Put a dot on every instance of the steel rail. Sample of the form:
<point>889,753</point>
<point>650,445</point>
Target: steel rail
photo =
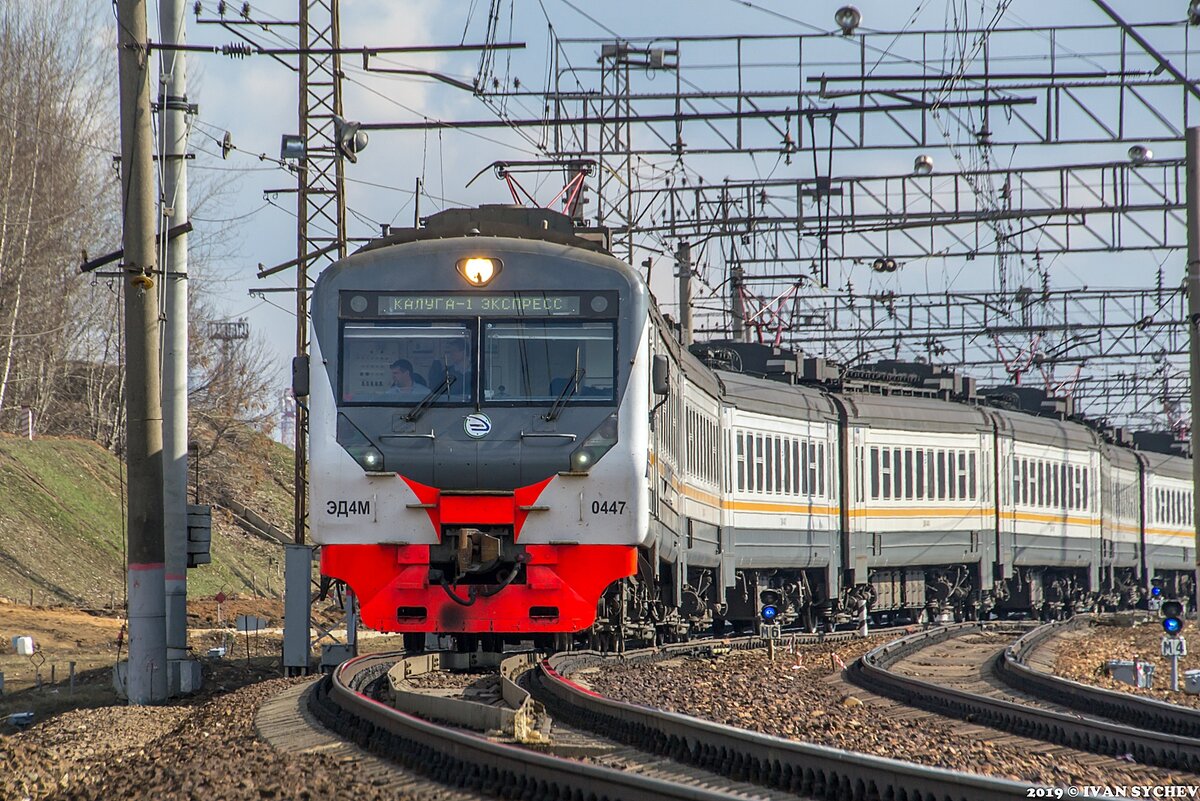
<point>872,672</point>
<point>461,759</point>
<point>1133,710</point>
<point>803,768</point>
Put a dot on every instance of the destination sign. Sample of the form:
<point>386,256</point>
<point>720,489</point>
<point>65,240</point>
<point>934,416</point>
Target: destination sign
<point>480,305</point>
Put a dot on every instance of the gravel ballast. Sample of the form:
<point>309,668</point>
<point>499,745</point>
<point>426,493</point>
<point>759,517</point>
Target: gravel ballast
<point>204,750</point>
<point>801,697</point>
<point>1085,658</point>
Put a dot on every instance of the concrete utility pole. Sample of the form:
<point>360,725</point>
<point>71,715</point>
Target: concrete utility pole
<point>146,677</point>
<point>737,304</point>
<point>174,103</point>
<point>1192,139</point>
<point>683,270</point>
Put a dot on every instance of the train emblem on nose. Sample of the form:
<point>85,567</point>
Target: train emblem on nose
<point>477,425</point>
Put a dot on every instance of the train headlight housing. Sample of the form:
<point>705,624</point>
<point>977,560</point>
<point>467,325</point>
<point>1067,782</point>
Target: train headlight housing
<point>358,445</point>
<point>479,271</point>
<point>598,443</point>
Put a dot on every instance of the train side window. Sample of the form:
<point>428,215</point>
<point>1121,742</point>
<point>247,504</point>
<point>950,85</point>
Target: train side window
<point>941,474</point>
<point>816,477</point>
<point>897,473</point>
<point>772,464</point>
<point>777,457</point>
<point>930,474</point>
<point>1087,501</point>
<point>739,437</point>
<point>971,485</point>
<point>919,464</point>
<point>760,465</point>
<point>962,475</point>
<point>874,473</point>
<point>782,479</point>
<point>885,473</point>
<point>1055,484</point>
<point>785,473</point>
<point>908,474</point>
<point>796,472</point>
<point>1041,483</point>
<point>822,469</point>
<point>951,476</point>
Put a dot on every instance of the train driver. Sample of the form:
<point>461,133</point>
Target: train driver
<point>406,385</point>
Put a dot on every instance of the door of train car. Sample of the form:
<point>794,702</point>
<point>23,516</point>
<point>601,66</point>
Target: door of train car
<point>1006,511</point>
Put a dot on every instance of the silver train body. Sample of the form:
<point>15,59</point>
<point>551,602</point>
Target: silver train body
<point>653,495</point>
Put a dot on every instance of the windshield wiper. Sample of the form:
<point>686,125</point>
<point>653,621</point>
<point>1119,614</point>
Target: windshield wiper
<point>570,389</point>
<point>428,400</point>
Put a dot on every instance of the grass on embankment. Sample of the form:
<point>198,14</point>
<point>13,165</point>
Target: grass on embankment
<point>62,527</point>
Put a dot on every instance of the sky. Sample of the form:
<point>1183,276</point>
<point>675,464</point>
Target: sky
<point>255,100</point>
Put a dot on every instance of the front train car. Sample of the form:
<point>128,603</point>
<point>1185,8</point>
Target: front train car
<point>478,424</point>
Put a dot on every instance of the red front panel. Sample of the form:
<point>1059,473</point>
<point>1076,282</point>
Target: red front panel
<point>566,580</point>
<point>562,584</point>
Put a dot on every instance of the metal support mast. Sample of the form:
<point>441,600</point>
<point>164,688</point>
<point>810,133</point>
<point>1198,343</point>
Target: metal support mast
<point>146,676</point>
<point>173,103</point>
<point>321,208</point>
<point>1192,140</point>
<point>614,201</point>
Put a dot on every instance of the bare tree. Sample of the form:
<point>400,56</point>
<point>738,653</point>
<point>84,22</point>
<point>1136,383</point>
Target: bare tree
<point>57,190</point>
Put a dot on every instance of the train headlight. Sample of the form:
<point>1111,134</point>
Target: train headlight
<point>370,459</point>
<point>598,443</point>
<point>479,271</point>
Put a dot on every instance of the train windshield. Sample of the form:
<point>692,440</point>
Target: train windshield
<point>399,365</point>
<point>539,361</point>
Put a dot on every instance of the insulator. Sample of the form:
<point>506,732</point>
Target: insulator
<point>237,50</point>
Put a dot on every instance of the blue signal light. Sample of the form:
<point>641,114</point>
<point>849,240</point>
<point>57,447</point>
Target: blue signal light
<point>1156,591</point>
<point>1172,625</point>
<point>769,612</point>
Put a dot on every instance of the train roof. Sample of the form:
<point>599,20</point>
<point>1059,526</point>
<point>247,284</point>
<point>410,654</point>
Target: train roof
<point>776,398</point>
<point>907,413</point>
<point>1025,427</point>
<point>498,220</point>
<point>1167,465</point>
<point>1121,456</point>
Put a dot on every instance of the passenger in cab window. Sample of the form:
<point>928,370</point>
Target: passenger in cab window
<point>453,363</point>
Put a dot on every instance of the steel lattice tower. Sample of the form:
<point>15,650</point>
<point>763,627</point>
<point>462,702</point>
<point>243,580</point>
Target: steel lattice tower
<point>321,204</point>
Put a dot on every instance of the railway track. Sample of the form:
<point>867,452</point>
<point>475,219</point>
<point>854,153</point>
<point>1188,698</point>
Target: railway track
<point>623,751</point>
<point>1016,668</point>
<point>986,684</point>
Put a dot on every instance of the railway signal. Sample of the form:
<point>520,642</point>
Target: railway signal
<point>1173,645</point>
<point>1172,613</point>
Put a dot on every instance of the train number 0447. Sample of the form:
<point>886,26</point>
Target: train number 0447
<point>608,507</point>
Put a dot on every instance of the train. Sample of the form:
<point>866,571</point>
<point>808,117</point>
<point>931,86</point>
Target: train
<point>508,439</point>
